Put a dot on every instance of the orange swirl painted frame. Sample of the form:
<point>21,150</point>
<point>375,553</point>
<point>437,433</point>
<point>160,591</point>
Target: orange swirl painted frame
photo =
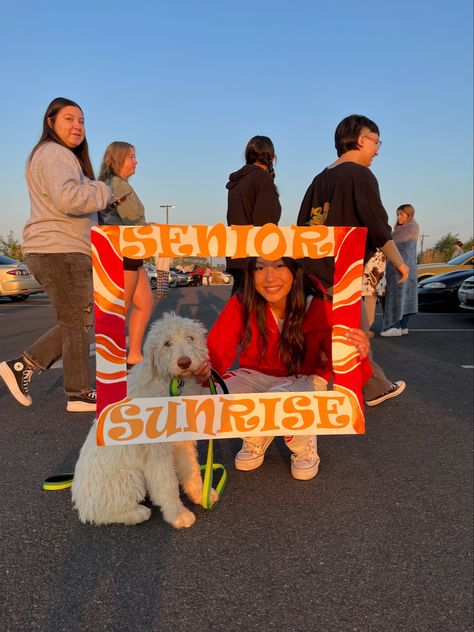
<point>111,243</point>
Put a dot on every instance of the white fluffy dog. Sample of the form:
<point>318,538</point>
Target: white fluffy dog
<point>111,482</point>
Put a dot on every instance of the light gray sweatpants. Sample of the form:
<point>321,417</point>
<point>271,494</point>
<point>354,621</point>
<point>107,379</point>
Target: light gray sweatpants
<point>250,381</point>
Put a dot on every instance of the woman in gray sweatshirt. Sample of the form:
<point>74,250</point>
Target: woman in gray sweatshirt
<point>65,199</point>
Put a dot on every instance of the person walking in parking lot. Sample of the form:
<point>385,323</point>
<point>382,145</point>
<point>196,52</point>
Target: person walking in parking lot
<point>458,248</point>
<point>118,165</point>
<point>207,276</point>
<point>65,199</point>
<point>346,193</point>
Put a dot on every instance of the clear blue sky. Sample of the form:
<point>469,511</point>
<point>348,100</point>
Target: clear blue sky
<point>188,83</point>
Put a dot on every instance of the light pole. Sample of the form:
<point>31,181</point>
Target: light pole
<point>167,206</point>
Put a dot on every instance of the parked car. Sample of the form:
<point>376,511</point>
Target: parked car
<point>152,276</point>
<point>441,291</point>
<point>177,278</point>
<point>462,262</point>
<point>16,281</point>
<point>466,294</point>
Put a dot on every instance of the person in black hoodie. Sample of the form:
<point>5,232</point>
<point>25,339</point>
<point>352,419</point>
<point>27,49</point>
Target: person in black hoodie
<point>252,198</point>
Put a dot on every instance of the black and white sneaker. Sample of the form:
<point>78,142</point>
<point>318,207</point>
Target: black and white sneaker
<point>396,388</point>
<point>17,376</point>
<point>84,403</point>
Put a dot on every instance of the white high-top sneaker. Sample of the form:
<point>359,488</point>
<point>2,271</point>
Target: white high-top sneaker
<point>305,458</point>
<point>252,453</point>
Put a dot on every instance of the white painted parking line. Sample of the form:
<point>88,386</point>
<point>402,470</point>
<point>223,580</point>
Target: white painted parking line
<point>467,366</point>
<point>441,329</point>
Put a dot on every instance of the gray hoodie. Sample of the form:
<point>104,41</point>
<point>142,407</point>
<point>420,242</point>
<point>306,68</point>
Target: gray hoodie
<point>64,203</point>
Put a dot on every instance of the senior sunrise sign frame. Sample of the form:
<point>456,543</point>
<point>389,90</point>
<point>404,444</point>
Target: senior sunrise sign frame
<point>125,420</point>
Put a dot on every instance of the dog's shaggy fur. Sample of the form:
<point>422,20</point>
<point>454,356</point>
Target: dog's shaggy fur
<point>111,482</point>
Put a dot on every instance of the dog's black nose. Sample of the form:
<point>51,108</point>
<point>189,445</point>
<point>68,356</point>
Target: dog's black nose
<point>184,362</point>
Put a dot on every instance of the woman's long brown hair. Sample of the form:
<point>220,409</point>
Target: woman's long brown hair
<point>49,135</point>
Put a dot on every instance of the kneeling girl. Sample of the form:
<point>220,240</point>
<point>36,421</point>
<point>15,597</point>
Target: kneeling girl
<point>280,329</point>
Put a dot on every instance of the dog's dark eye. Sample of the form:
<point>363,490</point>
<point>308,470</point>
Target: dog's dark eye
<point>189,339</point>
<point>167,343</point>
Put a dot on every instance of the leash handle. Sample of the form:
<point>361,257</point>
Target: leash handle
<point>59,481</point>
<point>209,470</point>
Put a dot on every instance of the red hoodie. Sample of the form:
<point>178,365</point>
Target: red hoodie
<point>224,339</point>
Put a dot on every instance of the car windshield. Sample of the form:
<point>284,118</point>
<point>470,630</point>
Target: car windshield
<point>6,261</point>
<point>464,258</point>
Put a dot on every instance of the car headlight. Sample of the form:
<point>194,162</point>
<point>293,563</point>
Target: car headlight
<point>436,285</point>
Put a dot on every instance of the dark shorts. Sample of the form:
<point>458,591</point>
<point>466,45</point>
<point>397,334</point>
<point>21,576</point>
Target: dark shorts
<point>132,264</point>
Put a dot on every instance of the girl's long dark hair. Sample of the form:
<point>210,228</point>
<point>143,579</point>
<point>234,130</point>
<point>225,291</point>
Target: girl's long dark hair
<point>49,135</point>
<point>292,347</point>
<point>260,149</point>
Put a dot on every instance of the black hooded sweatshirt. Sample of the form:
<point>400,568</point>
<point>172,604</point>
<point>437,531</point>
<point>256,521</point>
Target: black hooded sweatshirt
<point>252,200</point>
<point>345,195</point>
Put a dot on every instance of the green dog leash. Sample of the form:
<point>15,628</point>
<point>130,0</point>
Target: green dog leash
<point>176,386</point>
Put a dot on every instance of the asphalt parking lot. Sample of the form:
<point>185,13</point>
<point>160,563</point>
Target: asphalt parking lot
<point>380,541</point>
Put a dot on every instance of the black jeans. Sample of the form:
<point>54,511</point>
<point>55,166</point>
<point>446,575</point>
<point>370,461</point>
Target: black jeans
<point>67,279</point>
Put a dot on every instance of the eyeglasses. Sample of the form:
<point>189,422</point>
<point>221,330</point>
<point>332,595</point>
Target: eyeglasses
<point>378,143</point>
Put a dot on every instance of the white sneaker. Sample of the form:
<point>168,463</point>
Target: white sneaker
<point>393,331</point>
<point>404,332</point>
<point>252,453</point>
<point>305,459</point>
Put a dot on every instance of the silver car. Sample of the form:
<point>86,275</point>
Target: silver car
<point>16,282</point>
<point>466,294</point>
<point>152,276</point>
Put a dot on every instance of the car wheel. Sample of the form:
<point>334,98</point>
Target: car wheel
<point>153,283</point>
<point>19,297</point>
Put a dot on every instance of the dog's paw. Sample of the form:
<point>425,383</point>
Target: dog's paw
<point>139,514</point>
<point>196,495</point>
<point>184,519</point>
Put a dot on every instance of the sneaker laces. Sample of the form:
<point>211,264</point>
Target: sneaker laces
<point>26,376</point>
<point>308,453</point>
<point>252,445</point>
